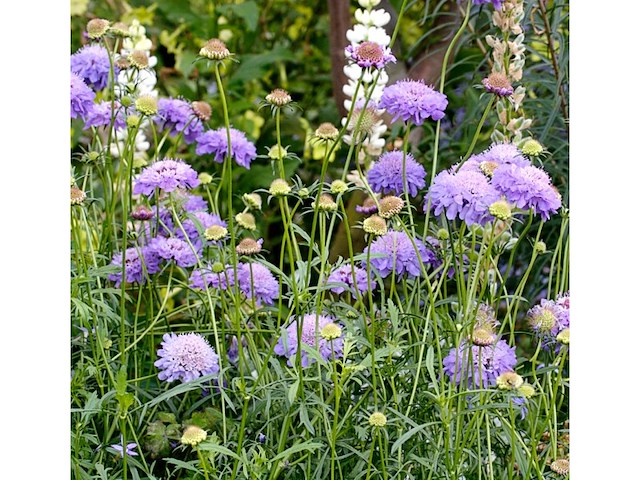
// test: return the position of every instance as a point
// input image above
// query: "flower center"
(370, 51)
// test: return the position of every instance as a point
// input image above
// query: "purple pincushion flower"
(549, 318)
(100, 115)
(386, 174)
(484, 366)
(370, 54)
(196, 223)
(138, 263)
(215, 141)
(343, 277)
(466, 194)
(178, 117)
(167, 175)
(174, 249)
(195, 203)
(413, 100)
(398, 255)
(310, 328)
(257, 282)
(91, 63)
(497, 4)
(81, 97)
(527, 187)
(185, 357)
(496, 155)
(203, 278)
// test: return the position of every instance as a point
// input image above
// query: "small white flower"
(376, 18)
(368, 3)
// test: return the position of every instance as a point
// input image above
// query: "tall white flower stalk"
(136, 82)
(366, 125)
(509, 59)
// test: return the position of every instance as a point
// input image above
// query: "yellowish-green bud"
(252, 200)
(532, 148)
(540, 247)
(276, 152)
(147, 104)
(338, 186)
(442, 234)
(97, 27)
(377, 419)
(205, 178)
(303, 192)
(193, 435)
(375, 225)
(133, 121)
(500, 209)
(92, 156)
(139, 162)
(215, 233)
(279, 187)
(509, 381)
(331, 331)
(526, 390)
(326, 203)
(126, 101)
(246, 220)
(217, 267)
(563, 336)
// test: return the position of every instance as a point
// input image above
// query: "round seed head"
(97, 27)
(147, 104)
(279, 187)
(193, 435)
(249, 246)
(326, 131)
(390, 206)
(509, 381)
(377, 419)
(139, 59)
(532, 148)
(77, 196)
(338, 186)
(331, 331)
(215, 233)
(215, 49)
(326, 203)
(278, 97)
(246, 220)
(252, 201)
(500, 209)
(560, 466)
(202, 110)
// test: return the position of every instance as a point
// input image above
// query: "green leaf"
(406, 436)
(293, 391)
(214, 447)
(300, 447)
(247, 11)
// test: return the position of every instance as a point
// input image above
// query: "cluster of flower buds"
(508, 64)
(367, 54)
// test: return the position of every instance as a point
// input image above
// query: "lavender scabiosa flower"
(138, 263)
(194, 203)
(549, 318)
(398, 254)
(310, 326)
(466, 194)
(178, 117)
(198, 222)
(211, 276)
(497, 4)
(484, 366)
(167, 175)
(101, 114)
(215, 141)
(527, 187)
(185, 357)
(257, 282)
(91, 63)
(369, 54)
(389, 176)
(343, 277)
(175, 249)
(81, 97)
(413, 100)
